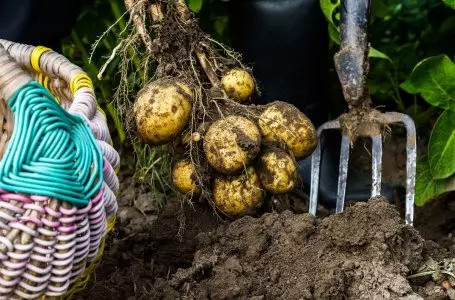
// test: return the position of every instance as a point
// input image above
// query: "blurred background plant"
(402, 34)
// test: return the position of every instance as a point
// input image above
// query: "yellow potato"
(283, 122)
(238, 195)
(277, 171)
(238, 84)
(184, 176)
(231, 143)
(162, 109)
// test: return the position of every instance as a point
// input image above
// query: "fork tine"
(411, 141)
(411, 160)
(411, 149)
(315, 170)
(316, 166)
(343, 173)
(376, 166)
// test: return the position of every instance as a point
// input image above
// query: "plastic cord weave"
(51, 153)
(57, 175)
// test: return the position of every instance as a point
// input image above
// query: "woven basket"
(57, 175)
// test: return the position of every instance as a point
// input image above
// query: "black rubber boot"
(286, 42)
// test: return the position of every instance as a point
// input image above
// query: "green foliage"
(441, 150)
(450, 3)
(331, 12)
(402, 33)
(194, 5)
(427, 187)
(414, 74)
(92, 22)
(434, 79)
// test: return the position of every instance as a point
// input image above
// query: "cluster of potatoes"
(250, 156)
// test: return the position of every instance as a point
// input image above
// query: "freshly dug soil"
(364, 253)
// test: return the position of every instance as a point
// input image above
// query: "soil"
(364, 253)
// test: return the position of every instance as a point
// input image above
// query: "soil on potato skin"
(364, 253)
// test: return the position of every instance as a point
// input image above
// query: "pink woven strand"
(84, 241)
(84, 103)
(110, 177)
(37, 271)
(99, 127)
(110, 202)
(109, 153)
(97, 219)
(64, 252)
(13, 258)
(59, 239)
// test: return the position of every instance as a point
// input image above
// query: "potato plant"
(197, 102)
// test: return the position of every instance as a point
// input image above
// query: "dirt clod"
(364, 253)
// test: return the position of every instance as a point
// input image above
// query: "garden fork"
(352, 66)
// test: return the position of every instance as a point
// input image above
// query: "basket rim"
(36, 59)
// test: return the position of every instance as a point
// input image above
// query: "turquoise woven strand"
(51, 152)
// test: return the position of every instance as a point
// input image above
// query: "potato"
(283, 122)
(231, 143)
(162, 110)
(238, 84)
(277, 171)
(238, 195)
(184, 176)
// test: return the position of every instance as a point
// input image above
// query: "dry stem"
(208, 69)
(182, 10)
(136, 9)
(156, 12)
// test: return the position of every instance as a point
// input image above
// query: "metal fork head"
(389, 118)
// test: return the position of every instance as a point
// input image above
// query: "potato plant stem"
(156, 12)
(139, 23)
(122, 26)
(182, 10)
(208, 69)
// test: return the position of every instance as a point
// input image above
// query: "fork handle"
(351, 61)
(354, 22)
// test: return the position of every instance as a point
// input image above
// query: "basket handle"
(12, 77)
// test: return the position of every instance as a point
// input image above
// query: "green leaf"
(427, 188)
(378, 54)
(328, 9)
(447, 26)
(220, 25)
(195, 5)
(334, 33)
(408, 87)
(441, 148)
(450, 3)
(379, 9)
(434, 78)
